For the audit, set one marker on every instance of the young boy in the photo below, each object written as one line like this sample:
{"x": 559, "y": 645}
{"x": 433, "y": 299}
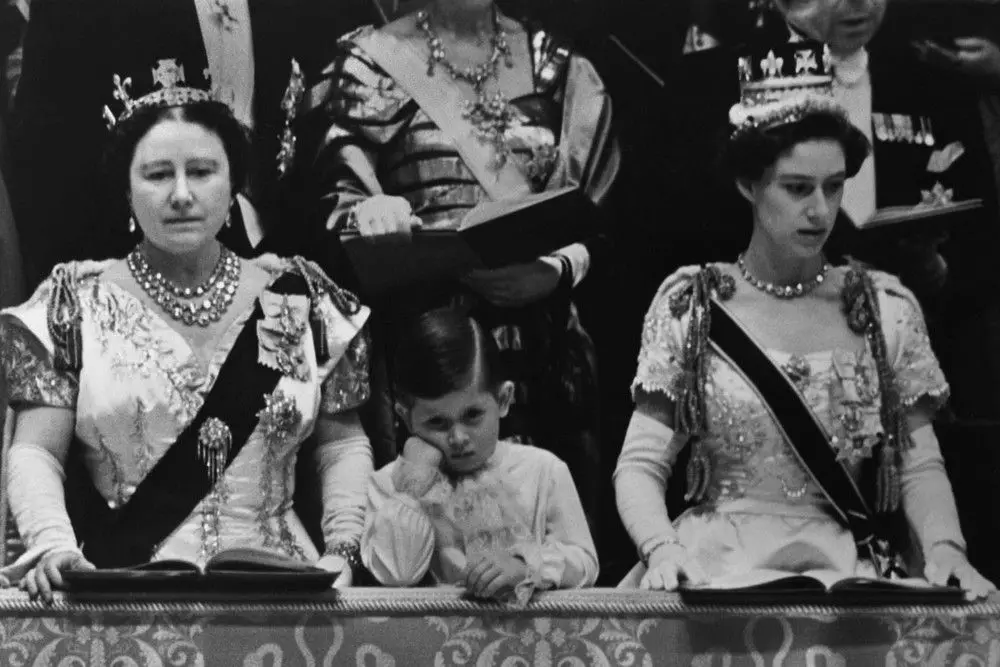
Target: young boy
{"x": 459, "y": 506}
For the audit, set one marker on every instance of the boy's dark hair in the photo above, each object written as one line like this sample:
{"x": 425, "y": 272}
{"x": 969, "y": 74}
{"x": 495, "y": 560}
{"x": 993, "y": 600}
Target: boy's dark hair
{"x": 747, "y": 156}
{"x": 439, "y": 352}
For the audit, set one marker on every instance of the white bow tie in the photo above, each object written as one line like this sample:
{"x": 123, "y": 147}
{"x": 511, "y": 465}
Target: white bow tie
{"x": 850, "y": 70}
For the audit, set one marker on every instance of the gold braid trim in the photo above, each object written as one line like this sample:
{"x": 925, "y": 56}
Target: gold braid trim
{"x": 63, "y": 311}
{"x": 318, "y": 284}
{"x": 690, "y": 415}
{"x": 860, "y": 305}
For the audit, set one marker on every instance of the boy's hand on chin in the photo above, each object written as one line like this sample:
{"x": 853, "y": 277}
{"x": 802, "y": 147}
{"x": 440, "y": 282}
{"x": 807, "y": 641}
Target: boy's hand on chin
{"x": 419, "y": 451}
{"x": 492, "y": 575}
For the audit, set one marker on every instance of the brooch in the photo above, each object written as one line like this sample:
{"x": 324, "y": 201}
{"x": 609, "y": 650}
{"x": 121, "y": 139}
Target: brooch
{"x": 281, "y": 332}
{"x": 214, "y": 441}
{"x": 279, "y": 418}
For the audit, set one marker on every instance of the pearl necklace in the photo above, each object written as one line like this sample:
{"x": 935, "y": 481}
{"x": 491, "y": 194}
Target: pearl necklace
{"x": 211, "y": 299}
{"x": 782, "y": 291}
{"x": 477, "y": 75}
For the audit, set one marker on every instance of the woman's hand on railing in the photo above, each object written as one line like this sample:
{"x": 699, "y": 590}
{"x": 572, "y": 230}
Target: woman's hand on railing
{"x": 383, "y": 217}
{"x": 46, "y": 576}
{"x": 669, "y": 565}
{"x": 946, "y": 561}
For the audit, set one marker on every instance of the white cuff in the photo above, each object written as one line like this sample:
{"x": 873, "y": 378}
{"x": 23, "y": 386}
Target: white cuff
{"x": 579, "y": 259}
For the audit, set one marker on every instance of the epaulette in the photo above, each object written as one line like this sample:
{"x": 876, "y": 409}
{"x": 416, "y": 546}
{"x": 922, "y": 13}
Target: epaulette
{"x": 859, "y": 301}
{"x": 319, "y": 284}
{"x": 64, "y": 318}
{"x": 690, "y": 413}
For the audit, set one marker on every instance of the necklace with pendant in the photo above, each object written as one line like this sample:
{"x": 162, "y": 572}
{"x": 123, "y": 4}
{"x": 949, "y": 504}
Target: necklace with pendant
{"x": 782, "y": 291}
{"x": 491, "y": 116}
{"x": 201, "y": 305}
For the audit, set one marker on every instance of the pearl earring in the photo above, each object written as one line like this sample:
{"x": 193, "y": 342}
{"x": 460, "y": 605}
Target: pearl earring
{"x": 131, "y": 224}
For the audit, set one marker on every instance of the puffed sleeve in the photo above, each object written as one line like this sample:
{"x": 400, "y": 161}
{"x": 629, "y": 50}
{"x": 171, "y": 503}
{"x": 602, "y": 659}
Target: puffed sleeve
{"x": 918, "y": 374}
{"x": 566, "y": 558}
{"x": 397, "y": 544}
{"x": 661, "y": 356}
{"x": 27, "y": 356}
{"x": 362, "y": 109}
{"x": 349, "y": 384}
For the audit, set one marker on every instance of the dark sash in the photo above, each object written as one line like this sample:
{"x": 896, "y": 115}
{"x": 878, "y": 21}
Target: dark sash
{"x": 179, "y": 481}
{"x": 807, "y": 437}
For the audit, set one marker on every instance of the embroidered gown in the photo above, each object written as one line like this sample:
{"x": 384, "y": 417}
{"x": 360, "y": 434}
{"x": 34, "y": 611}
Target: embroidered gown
{"x": 377, "y": 139}
{"x": 140, "y": 385}
{"x": 762, "y": 509}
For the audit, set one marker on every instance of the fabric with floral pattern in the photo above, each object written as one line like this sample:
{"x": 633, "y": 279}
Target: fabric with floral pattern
{"x": 140, "y": 384}
{"x": 755, "y": 474}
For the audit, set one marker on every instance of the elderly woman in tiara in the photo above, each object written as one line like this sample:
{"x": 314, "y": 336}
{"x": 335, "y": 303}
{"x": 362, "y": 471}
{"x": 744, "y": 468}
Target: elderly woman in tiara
{"x": 173, "y": 389}
{"x": 803, "y": 392}
{"x": 448, "y": 107}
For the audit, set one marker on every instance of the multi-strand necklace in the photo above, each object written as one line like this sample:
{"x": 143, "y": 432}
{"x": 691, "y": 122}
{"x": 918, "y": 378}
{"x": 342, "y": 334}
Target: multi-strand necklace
{"x": 491, "y": 115}
{"x": 202, "y": 304}
{"x": 782, "y": 291}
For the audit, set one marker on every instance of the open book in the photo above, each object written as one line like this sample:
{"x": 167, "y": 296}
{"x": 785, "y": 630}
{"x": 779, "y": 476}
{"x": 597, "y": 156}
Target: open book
{"x": 237, "y": 570}
{"x": 818, "y": 586}
{"x": 920, "y": 215}
{"x": 491, "y": 235}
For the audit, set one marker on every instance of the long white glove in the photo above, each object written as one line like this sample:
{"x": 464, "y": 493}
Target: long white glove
{"x": 38, "y": 502}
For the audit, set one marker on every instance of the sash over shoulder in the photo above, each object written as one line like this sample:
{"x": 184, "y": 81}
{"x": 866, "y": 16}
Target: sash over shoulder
{"x": 241, "y": 398}
{"x": 861, "y": 307}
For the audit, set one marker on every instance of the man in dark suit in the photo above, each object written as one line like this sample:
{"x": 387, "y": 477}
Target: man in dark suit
{"x": 72, "y": 50}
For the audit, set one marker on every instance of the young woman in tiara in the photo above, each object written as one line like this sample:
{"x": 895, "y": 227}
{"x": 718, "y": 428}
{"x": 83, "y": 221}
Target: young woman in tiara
{"x": 399, "y": 152}
{"x": 801, "y": 393}
{"x": 173, "y": 388}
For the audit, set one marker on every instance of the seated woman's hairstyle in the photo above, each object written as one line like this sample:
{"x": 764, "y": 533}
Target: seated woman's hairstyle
{"x": 441, "y": 351}
{"x": 748, "y": 154}
{"x": 214, "y": 116}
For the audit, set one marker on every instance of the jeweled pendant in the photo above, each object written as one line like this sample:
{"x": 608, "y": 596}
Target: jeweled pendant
{"x": 214, "y": 442}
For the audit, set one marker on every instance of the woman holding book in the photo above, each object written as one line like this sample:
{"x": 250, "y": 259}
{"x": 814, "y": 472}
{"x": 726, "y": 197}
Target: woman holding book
{"x": 800, "y": 393}
{"x": 173, "y": 389}
{"x": 448, "y": 107}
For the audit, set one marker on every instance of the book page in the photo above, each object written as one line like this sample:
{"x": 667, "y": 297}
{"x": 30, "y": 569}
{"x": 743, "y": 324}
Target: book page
{"x": 247, "y": 559}
{"x": 762, "y": 578}
{"x": 491, "y": 210}
{"x": 868, "y": 583}
{"x": 897, "y": 214}
{"x": 172, "y": 565}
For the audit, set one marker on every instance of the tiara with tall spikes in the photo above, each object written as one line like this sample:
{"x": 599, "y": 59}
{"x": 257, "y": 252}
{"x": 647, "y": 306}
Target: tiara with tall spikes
{"x": 167, "y": 74}
{"x": 784, "y": 85}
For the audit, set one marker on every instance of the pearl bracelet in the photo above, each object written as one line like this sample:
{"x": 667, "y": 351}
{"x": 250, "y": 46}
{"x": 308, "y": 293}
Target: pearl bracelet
{"x": 650, "y": 547}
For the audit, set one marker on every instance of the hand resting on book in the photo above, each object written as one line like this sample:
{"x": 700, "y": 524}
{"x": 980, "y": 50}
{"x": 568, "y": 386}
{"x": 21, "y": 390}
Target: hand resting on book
{"x": 47, "y": 575}
{"x": 382, "y": 217}
{"x": 945, "y": 562}
{"x": 669, "y": 566}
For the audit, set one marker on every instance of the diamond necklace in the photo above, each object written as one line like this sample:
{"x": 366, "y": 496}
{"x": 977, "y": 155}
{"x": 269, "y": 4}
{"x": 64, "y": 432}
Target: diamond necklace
{"x": 782, "y": 291}
{"x": 476, "y": 75}
{"x": 490, "y": 116}
{"x": 211, "y": 299}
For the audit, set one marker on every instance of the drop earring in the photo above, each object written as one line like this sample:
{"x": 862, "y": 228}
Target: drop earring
{"x": 131, "y": 224}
